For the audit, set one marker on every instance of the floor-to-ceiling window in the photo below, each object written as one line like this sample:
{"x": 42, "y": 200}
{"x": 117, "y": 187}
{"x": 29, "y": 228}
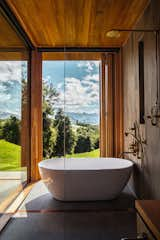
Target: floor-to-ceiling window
{"x": 71, "y": 108}
{"x": 14, "y": 113}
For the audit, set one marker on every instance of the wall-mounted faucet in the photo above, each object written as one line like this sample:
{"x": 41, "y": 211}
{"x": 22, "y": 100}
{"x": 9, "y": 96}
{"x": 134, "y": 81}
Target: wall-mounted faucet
{"x": 122, "y": 154}
{"x": 136, "y": 147}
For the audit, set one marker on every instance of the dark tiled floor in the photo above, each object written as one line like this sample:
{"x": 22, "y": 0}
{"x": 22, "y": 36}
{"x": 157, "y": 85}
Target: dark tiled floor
{"x": 109, "y": 220}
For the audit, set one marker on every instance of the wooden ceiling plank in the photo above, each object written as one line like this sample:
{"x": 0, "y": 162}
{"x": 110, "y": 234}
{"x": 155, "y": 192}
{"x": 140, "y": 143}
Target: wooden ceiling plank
{"x": 76, "y": 23}
{"x": 8, "y": 37}
{"x": 17, "y": 12}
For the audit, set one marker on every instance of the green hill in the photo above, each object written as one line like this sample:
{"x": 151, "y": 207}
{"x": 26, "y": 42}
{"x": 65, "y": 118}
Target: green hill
{"x": 10, "y": 155}
{"x": 94, "y": 153}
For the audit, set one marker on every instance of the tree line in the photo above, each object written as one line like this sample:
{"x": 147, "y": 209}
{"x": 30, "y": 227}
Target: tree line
{"x": 60, "y": 137}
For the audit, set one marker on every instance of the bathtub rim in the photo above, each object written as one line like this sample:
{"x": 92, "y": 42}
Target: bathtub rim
{"x": 130, "y": 165}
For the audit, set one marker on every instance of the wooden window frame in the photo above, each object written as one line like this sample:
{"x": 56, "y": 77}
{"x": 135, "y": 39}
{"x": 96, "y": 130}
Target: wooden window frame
{"x": 36, "y": 113}
{"x": 111, "y": 104}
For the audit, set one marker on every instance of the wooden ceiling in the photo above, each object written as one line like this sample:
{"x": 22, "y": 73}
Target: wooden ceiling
{"x": 76, "y": 23}
{"x": 8, "y": 36}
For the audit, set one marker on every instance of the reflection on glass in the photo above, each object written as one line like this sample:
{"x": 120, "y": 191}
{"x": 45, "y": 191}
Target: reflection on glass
{"x": 73, "y": 115}
{"x": 14, "y": 112}
{"x": 53, "y": 109}
{"x": 13, "y": 123}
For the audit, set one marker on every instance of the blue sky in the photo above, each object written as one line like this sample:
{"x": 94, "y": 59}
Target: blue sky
{"x": 80, "y": 79}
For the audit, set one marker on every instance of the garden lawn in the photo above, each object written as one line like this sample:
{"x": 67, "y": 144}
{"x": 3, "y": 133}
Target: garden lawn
{"x": 10, "y": 156}
{"x": 94, "y": 153}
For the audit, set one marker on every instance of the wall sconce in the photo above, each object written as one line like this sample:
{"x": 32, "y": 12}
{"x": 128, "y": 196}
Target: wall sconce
{"x": 155, "y": 110}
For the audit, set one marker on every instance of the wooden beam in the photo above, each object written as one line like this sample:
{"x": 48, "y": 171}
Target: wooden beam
{"x": 72, "y": 56}
{"x": 36, "y": 113}
{"x": 109, "y": 105}
{"x": 79, "y": 49}
{"x": 111, "y": 133}
{"x": 107, "y": 123}
{"x": 118, "y": 105}
{"x": 103, "y": 108}
{"x": 13, "y": 56}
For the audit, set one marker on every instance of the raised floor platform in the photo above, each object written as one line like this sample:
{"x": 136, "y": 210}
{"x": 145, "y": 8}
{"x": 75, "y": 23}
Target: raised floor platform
{"x": 42, "y": 217}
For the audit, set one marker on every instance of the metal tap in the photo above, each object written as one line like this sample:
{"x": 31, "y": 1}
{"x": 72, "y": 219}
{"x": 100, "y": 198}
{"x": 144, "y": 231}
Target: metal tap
{"x": 123, "y": 153}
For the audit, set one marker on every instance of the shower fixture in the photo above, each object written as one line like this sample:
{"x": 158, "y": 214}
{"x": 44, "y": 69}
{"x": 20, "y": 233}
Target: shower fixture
{"x": 116, "y": 33}
{"x": 155, "y": 109}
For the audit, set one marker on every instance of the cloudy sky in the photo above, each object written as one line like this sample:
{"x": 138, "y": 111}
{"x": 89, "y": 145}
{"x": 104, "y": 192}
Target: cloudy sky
{"x": 77, "y": 83}
{"x": 11, "y": 73}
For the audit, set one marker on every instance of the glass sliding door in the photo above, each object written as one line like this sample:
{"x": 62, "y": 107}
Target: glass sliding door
{"x": 82, "y": 106}
{"x": 71, "y": 123}
{"x": 14, "y": 114}
{"x": 53, "y": 109}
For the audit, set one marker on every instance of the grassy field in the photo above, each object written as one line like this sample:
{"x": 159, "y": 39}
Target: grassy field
{"x": 94, "y": 153}
{"x": 10, "y": 155}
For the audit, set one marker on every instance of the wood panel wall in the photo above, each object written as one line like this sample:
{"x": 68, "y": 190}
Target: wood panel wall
{"x": 145, "y": 182}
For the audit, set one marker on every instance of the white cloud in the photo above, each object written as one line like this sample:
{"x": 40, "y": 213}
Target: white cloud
{"x": 80, "y": 95}
{"x": 94, "y": 77}
{"x": 11, "y": 71}
{"x": 89, "y": 65}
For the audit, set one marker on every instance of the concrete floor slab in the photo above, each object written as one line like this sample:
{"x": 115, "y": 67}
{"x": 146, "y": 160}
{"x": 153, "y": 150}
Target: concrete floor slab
{"x": 44, "y": 218}
{"x": 68, "y": 226}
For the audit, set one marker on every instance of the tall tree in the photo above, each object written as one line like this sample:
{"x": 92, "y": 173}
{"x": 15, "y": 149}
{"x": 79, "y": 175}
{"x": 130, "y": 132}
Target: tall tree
{"x": 83, "y": 144}
{"x": 11, "y": 130}
{"x": 65, "y": 137}
{"x": 50, "y": 97}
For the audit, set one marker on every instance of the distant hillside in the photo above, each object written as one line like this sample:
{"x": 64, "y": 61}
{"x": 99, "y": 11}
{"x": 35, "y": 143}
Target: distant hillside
{"x": 92, "y": 154}
{"x": 91, "y": 118}
{"x": 5, "y": 115}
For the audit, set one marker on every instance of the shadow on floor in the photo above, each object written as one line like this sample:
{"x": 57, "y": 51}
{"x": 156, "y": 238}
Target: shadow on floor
{"x": 39, "y": 198}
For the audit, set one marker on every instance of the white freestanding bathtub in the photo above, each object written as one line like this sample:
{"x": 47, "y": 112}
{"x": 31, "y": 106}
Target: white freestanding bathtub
{"x": 85, "y": 179}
